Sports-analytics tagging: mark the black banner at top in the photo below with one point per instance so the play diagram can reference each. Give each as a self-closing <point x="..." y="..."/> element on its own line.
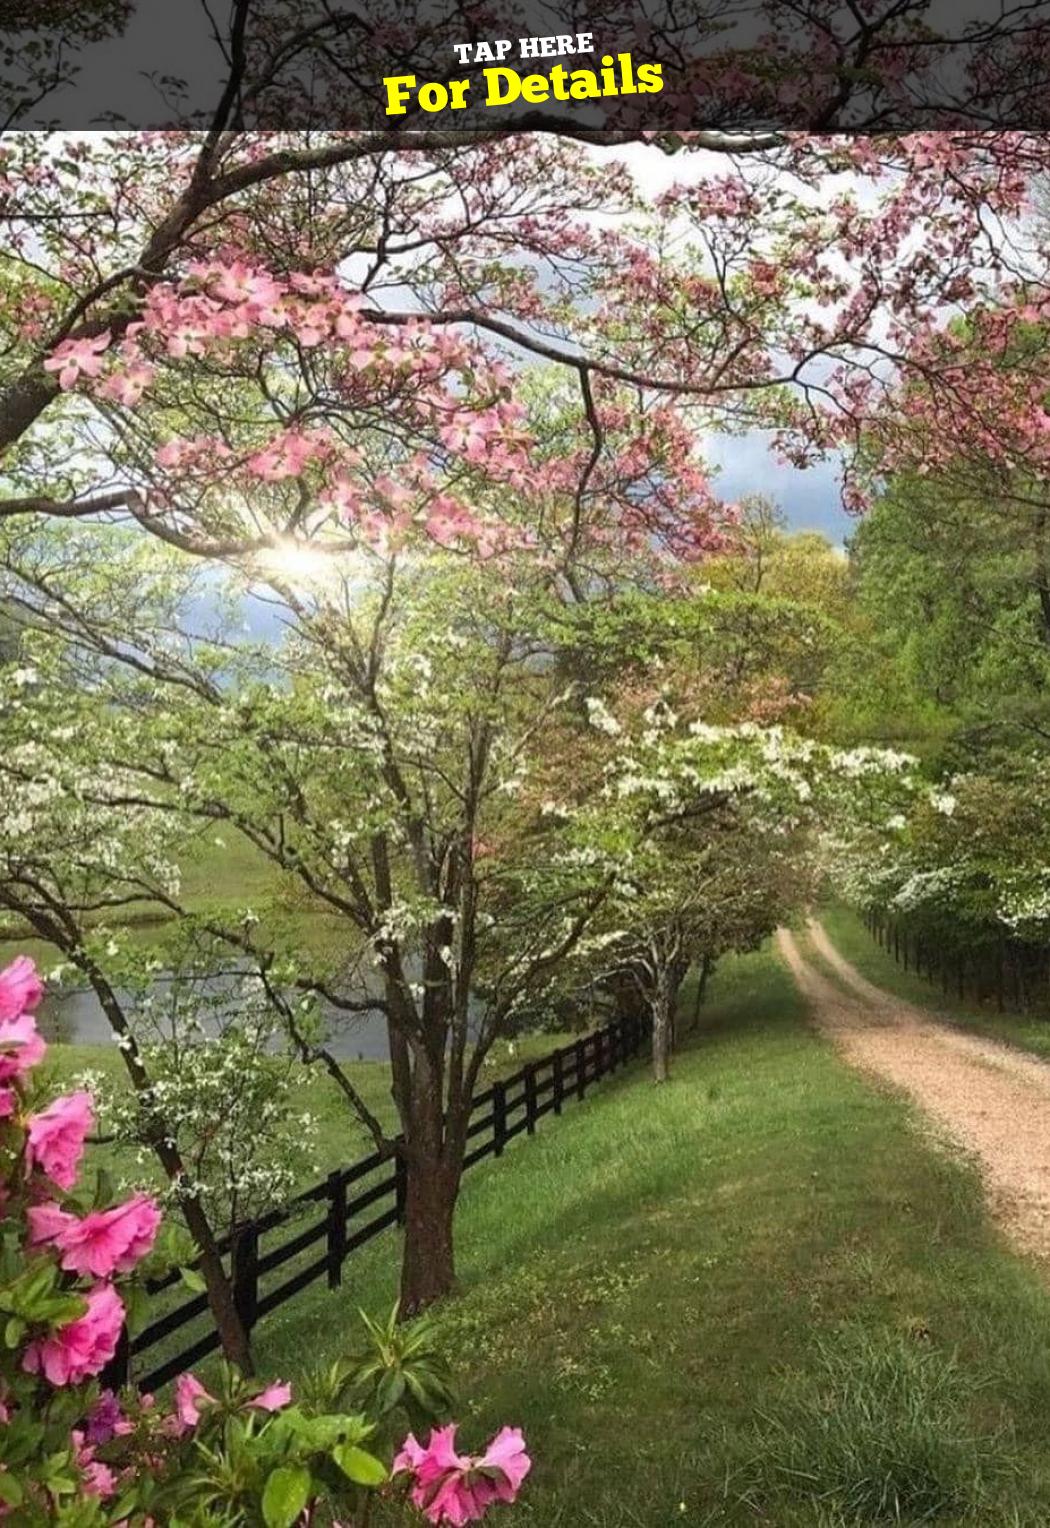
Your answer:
<point x="717" y="65"/>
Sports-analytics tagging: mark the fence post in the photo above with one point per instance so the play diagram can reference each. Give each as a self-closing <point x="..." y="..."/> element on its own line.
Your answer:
<point x="1000" y="984"/>
<point x="581" y="1067"/>
<point x="559" y="1080"/>
<point x="115" y="1375"/>
<point x="499" y="1115"/>
<point x="530" y="1099"/>
<point x="246" y="1275"/>
<point x="400" y="1186"/>
<point x="336" y="1228"/>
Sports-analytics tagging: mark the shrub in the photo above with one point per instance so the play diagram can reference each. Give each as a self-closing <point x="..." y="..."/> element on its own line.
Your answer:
<point x="246" y="1455"/>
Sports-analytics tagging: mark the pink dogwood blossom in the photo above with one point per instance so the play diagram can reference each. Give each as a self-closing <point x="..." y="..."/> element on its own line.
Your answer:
<point x="104" y="1242"/>
<point x="75" y="358"/>
<point x="81" y="1348"/>
<point x="55" y="1137"/>
<point x="20" y="988"/>
<point x="458" y="1489"/>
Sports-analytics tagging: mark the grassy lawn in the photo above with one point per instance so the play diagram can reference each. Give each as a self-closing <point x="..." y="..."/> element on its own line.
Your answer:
<point x="849" y="936"/>
<point x="222" y="874"/>
<point x="756" y="1295"/>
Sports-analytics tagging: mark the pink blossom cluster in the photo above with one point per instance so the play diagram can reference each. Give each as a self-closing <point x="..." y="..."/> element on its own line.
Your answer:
<point x="448" y="400"/>
<point x="459" y="1488"/>
<point x="98" y="1245"/>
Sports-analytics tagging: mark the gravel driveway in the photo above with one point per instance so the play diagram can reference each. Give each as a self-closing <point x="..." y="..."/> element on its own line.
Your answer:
<point x="991" y="1100"/>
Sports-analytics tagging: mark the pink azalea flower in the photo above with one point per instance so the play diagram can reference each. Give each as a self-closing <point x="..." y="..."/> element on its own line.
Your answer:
<point x="104" y="1242"/>
<point x="46" y="1223"/>
<point x="20" y="1046"/>
<point x="8" y="1102"/>
<point x="98" y="1479"/>
<point x="56" y="1137"/>
<point x="20" y="988"/>
<point x="505" y="1455"/>
<point x="190" y="1395"/>
<point x="84" y="1346"/>
<point x="458" y="1489"/>
<point x="275" y="1396"/>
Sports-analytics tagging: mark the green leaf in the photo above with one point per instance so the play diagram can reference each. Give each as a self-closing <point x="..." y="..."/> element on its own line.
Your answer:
<point x="358" y="1465"/>
<point x="13" y="1332"/>
<point x="390" y="1389"/>
<point x="192" y="1280"/>
<point x="104" y="1189"/>
<point x="286" y="1494"/>
<point x="136" y="1307"/>
<point x="10" y="1491"/>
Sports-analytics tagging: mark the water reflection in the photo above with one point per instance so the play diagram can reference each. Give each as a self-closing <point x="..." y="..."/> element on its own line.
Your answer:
<point x="75" y="1016"/>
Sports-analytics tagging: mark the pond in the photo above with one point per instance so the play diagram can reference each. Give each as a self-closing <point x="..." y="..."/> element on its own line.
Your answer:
<point x="73" y="1015"/>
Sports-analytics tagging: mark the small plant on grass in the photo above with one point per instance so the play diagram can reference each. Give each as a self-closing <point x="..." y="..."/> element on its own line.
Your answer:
<point x="399" y="1367"/>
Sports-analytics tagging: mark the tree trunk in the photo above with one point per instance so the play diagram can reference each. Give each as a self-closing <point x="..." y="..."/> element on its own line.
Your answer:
<point x="701" y="987"/>
<point x="234" y="1338"/>
<point x="661" y="1027"/>
<point x="676" y="977"/>
<point x="428" y="1270"/>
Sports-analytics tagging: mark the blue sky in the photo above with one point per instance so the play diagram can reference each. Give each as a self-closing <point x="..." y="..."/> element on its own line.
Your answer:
<point x="811" y="499"/>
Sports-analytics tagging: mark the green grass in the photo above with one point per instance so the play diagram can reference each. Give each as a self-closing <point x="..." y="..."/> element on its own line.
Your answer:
<point x="848" y="934"/>
<point x="221" y="874"/>
<point x="755" y="1295"/>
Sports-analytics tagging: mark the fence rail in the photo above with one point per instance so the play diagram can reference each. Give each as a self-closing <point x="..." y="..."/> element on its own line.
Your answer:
<point x="509" y="1108"/>
<point x="994" y="969"/>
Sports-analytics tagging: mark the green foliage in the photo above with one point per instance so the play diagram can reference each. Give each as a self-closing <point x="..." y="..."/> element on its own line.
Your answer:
<point x="957" y="642"/>
<point x="401" y="1367"/>
<point x="243" y="1465"/>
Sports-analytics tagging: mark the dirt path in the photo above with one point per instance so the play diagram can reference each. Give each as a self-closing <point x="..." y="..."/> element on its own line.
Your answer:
<point x="989" y="1099"/>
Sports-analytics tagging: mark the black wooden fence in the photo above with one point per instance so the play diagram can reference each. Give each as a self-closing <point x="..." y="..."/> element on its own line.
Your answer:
<point x="317" y="1249"/>
<point x="988" y="967"/>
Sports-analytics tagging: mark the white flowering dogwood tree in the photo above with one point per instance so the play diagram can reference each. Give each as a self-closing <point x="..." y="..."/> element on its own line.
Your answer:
<point x="966" y="866"/>
<point x="376" y="759"/>
<point x="710" y="837"/>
